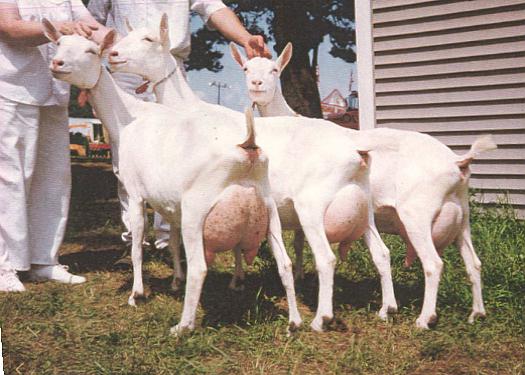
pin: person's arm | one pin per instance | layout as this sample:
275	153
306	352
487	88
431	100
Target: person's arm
92	19
15	30
216	15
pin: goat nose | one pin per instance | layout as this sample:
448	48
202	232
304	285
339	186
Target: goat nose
58	62
256	83
113	53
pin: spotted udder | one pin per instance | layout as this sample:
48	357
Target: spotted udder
239	218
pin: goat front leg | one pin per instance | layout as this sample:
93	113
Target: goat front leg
381	258
298	246
284	266
237	283
178	275
137	223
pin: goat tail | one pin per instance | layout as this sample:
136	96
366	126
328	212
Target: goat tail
249	143
482	144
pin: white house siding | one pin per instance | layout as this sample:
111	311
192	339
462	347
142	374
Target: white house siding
455	70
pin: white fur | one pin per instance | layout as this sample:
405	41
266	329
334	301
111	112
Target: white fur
418	191
180	162
299	149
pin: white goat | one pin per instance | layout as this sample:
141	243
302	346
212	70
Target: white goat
318	179
419	192
187	166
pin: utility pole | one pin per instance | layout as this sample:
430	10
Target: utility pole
219	85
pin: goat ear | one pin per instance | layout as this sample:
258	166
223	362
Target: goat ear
237	56
50	31
285	56
108	41
129	28
164	30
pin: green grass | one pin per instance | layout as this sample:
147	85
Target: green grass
90	329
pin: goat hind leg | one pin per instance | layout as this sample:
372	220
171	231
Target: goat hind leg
284	266
419	233
237	282
192	231
381	258
473	266
298	245
178	274
313	226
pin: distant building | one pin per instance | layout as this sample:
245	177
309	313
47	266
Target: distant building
336	109
333	105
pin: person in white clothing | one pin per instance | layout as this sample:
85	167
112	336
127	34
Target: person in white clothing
35	174
147	13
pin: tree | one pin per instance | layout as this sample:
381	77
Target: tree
74	109
305	23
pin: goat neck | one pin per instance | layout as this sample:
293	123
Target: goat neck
174	90
113	106
277	107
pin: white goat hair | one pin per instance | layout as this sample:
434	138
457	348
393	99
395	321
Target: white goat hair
318	179
192	169
419	192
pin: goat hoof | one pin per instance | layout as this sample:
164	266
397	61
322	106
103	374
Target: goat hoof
386	310
180	330
176	284
427	323
293	327
320	324
476	314
237	285
132	300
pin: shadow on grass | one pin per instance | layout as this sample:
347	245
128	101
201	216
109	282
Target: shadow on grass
95	215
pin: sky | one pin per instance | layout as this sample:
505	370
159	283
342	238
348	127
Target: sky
334	73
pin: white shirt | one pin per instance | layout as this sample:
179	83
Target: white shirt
24	73
147	13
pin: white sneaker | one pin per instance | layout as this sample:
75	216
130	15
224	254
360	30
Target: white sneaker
57	273
162	243
9	281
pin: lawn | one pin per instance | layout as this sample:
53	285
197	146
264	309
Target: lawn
90	329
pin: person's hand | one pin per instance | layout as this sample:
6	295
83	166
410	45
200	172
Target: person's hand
81	28
255	46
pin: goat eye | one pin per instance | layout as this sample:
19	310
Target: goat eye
245	69
275	70
91	51
148	39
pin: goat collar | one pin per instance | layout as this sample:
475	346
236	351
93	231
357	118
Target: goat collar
142	88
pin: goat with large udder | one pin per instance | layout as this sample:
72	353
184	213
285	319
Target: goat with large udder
192	168
318	178
422	198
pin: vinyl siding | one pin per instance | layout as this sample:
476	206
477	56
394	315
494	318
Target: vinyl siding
456	70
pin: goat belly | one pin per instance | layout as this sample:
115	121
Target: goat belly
239	218
346	218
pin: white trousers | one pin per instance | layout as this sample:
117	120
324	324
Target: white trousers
129	82
35	183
